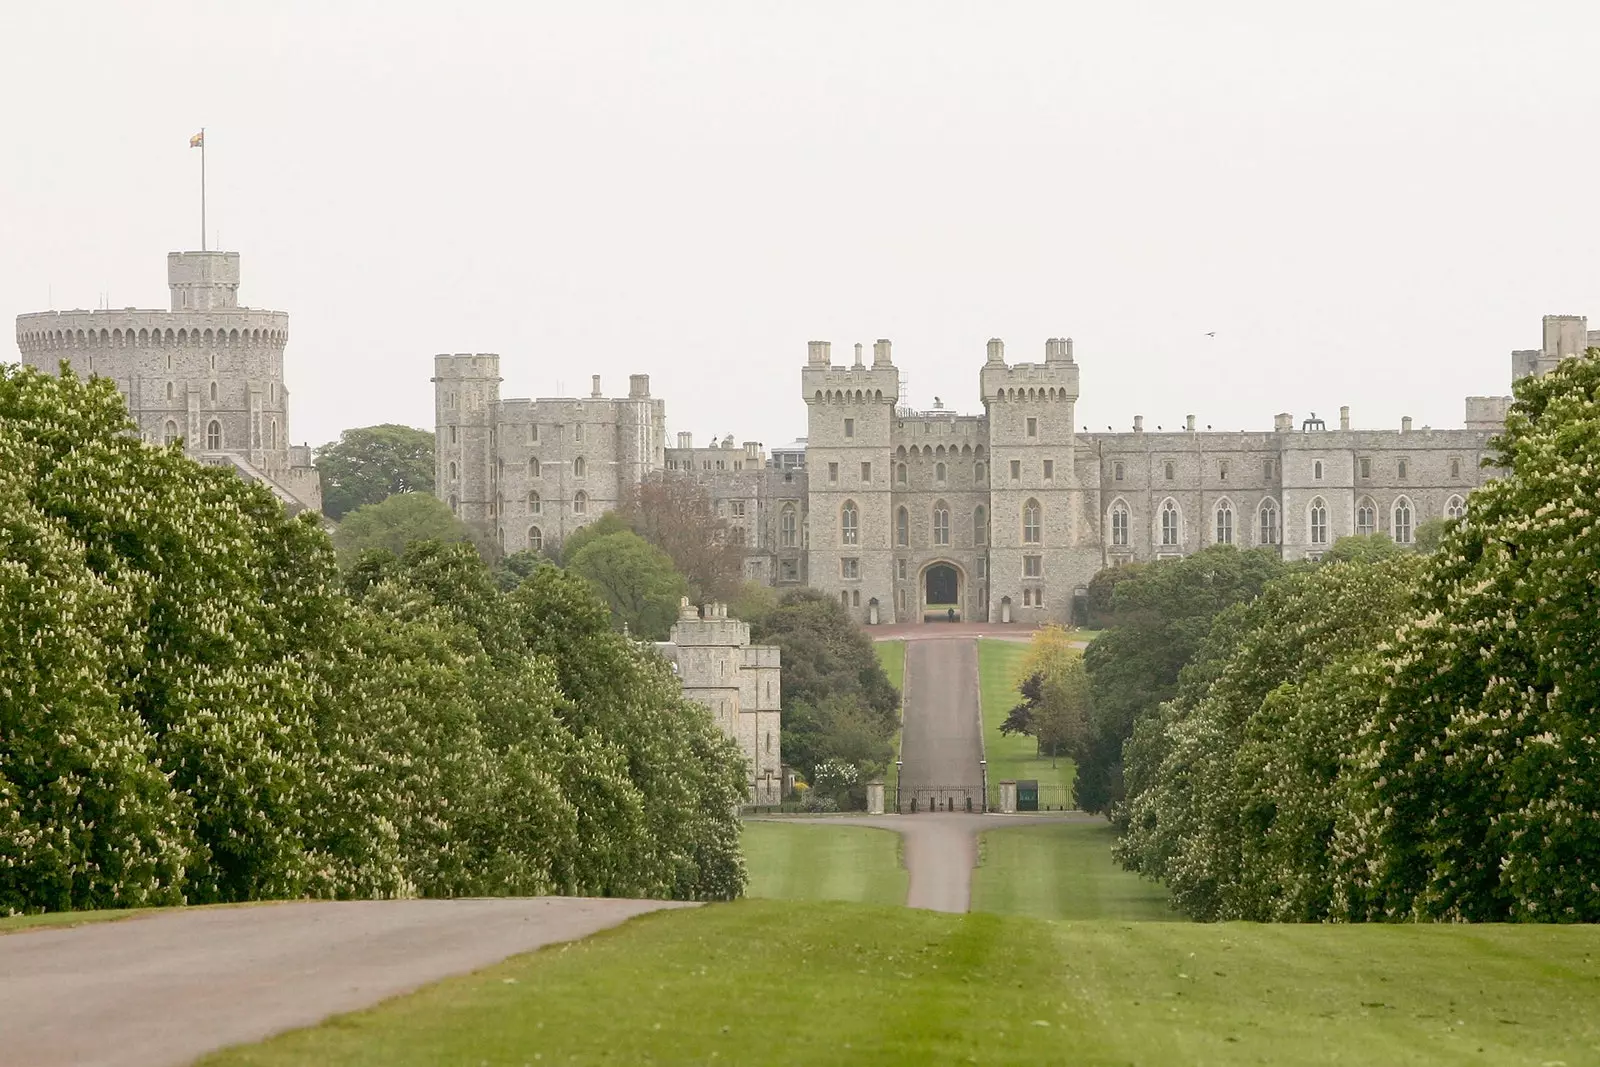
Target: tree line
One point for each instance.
(198, 705)
(1385, 735)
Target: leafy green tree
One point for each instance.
(396, 522)
(1482, 762)
(509, 571)
(370, 464)
(1102, 592)
(608, 523)
(1363, 548)
(1430, 535)
(635, 579)
(753, 602)
(1162, 613)
(838, 730)
(1235, 785)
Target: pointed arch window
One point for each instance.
(213, 435)
(535, 538)
(580, 503)
(1455, 468)
(1316, 471)
(941, 523)
(172, 390)
(938, 473)
(900, 473)
(1455, 508)
(1267, 516)
(1171, 525)
(1318, 516)
(534, 504)
(1402, 521)
(533, 466)
(1366, 518)
(979, 471)
(1032, 530)
(788, 527)
(1225, 523)
(170, 434)
(902, 527)
(980, 526)
(579, 467)
(213, 392)
(454, 470)
(849, 524)
(1119, 525)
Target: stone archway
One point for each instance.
(943, 589)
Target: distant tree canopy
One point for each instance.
(675, 513)
(369, 464)
(196, 707)
(838, 704)
(396, 522)
(1161, 614)
(635, 579)
(1056, 699)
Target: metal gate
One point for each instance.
(915, 800)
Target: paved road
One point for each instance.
(941, 741)
(164, 989)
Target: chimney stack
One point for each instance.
(880, 353)
(1283, 422)
(639, 386)
(1405, 424)
(997, 350)
(1188, 422)
(1344, 417)
(594, 388)
(685, 440)
(818, 353)
(858, 364)
(1138, 424)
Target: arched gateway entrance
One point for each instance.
(941, 592)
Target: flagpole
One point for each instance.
(202, 188)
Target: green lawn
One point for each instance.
(786, 983)
(800, 861)
(13, 923)
(1061, 871)
(1012, 758)
(892, 656)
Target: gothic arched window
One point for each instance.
(213, 435)
(535, 538)
(788, 528)
(1402, 521)
(1032, 532)
(941, 523)
(579, 467)
(978, 472)
(938, 473)
(902, 527)
(1366, 517)
(533, 466)
(1225, 523)
(1318, 516)
(849, 524)
(1171, 525)
(1268, 527)
(980, 525)
(900, 473)
(580, 503)
(1119, 525)
(170, 435)
(533, 503)
(213, 392)
(1455, 507)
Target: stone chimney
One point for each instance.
(639, 386)
(1188, 423)
(685, 440)
(818, 353)
(997, 350)
(858, 364)
(1344, 417)
(880, 353)
(594, 387)
(1405, 424)
(1138, 424)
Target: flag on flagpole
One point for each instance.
(198, 140)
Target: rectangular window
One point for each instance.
(452, 435)
(738, 508)
(577, 433)
(866, 472)
(789, 570)
(1266, 470)
(983, 566)
(833, 472)
(1366, 468)
(849, 427)
(900, 569)
(1033, 427)
(1401, 470)
(533, 433)
(1032, 566)
(1222, 470)
(1049, 469)
(1116, 472)
(1016, 469)
(855, 598)
(850, 567)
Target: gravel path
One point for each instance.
(164, 989)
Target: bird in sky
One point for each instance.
(1211, 333)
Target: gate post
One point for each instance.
(874, 798)
(1008, 798)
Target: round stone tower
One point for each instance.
(206, 371)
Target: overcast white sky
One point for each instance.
(1370, 203)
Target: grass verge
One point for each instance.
(13, 923)
(1014, 757)
(801, 861)
(892, 657)
(783, 983)
(1061, 871)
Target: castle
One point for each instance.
(207, 372)
(1002, 516)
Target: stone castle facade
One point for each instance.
(1002, 516)
(739, 683)
(205, 371)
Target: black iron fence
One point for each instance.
(913, 800)
(1049, 798)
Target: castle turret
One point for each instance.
(850, 413)
(466, 405)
